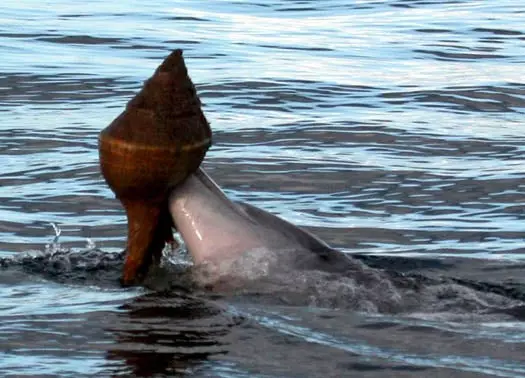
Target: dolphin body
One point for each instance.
(238, 239)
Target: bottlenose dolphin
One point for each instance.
(218, 232)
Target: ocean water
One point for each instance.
(392, 129)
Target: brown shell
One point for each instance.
(157, 142)
(159, 139)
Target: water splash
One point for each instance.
(90, 244)
(176, 253)
(54, 246)
(64, 264)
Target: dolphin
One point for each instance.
(218, 232)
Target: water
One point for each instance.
(391, 129)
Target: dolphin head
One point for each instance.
(238, 238)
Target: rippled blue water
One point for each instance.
(387, 127)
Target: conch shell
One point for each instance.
(156, 143)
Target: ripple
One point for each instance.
(386, 128)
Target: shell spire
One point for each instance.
(154, 144)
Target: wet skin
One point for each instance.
(214, 228)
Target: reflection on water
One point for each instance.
(167, 333)
(386, 127)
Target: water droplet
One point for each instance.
(58, 231)
(90, 244)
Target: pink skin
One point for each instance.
(215, 228)
(211, 225)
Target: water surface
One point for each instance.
(391, 129)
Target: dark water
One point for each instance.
(391, 129)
